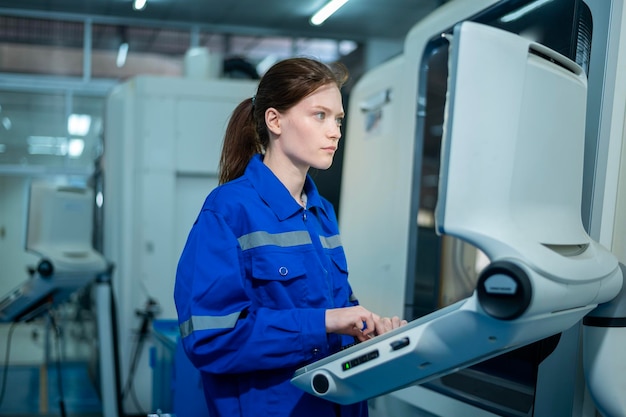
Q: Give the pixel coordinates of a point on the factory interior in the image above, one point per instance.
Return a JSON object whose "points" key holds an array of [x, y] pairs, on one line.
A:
{"points": [[502, 248]]}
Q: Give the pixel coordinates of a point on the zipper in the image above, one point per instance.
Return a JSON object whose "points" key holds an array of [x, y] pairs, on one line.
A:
{"points": [[317, 244]]}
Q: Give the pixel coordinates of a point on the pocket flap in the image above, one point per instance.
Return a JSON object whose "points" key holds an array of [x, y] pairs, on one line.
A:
{"points": [[278, 267]]}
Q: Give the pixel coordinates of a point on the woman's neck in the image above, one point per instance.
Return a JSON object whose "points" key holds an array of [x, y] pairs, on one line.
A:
{"points": [[291, 176]]}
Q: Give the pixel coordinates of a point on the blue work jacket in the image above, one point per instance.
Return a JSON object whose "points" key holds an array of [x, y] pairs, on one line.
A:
{"points": [[253, 283]]}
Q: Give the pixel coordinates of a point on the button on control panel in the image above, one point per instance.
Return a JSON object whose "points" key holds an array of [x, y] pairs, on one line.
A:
{"points": [[399, 344]]}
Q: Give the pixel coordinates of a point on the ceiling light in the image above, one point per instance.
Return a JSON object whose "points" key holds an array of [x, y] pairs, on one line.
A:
{"points": [[47, 145], [122, 53], [75, 147], [78, 124], [57, 146], [99, 199], [325, 12], [139, 4]]}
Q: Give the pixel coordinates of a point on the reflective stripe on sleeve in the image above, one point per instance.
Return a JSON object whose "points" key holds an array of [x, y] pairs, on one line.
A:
{"points": [[287, 239], [331, 242], [196, 323]]}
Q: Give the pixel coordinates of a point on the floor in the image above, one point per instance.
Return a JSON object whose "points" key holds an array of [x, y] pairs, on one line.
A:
{"points": [[33, 390]]}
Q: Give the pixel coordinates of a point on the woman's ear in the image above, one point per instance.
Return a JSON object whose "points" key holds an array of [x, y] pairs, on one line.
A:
{"points": [[272, 120]]}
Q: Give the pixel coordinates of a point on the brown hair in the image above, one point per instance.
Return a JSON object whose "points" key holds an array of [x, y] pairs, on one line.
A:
{"points": [[283, 86]]}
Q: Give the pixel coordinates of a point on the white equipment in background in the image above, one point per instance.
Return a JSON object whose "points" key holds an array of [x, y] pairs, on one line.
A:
{"points": [[163, 139], [511, 184], [60, 230], [60, 227]]}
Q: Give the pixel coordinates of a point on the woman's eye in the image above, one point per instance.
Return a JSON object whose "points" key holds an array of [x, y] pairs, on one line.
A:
{"points": [[320, 115], [339, 121]]}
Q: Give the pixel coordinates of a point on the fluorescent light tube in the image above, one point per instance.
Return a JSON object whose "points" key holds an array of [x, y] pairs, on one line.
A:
{"points": [[139, 4], [325, 12]]}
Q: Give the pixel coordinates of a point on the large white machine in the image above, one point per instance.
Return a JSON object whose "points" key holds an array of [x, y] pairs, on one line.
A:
{"points": [[496, 188], [511, 183], [163, 138]]}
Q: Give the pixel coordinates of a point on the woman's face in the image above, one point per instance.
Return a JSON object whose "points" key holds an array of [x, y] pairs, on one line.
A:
{"points": [[309, 132]]}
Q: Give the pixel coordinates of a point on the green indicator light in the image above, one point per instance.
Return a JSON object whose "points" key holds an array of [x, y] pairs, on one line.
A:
{"points": [[346, 366]]}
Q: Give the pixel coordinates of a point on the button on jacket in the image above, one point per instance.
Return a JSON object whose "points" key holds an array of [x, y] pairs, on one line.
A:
{"points": [[253, 282]]}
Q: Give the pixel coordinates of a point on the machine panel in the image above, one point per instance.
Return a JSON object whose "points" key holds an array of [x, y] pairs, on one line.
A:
{"points": [[541, 281]]}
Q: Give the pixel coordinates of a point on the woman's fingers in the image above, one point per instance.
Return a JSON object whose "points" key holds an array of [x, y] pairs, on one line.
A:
{"points": [[359, 322]]}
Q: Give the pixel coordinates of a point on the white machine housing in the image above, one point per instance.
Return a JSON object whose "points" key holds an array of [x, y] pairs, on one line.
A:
{"points": [[163, 138], [60, 227], [510, 183]]}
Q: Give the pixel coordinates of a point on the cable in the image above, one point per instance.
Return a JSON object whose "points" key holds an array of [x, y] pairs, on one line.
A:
{"points": [[57, 333], [5, 371], [147, 316], [129, 387]]}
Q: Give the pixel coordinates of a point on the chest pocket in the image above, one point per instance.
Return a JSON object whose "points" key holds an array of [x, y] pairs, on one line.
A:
{"points": [[339, 259], [279, 280], [341, 292]]}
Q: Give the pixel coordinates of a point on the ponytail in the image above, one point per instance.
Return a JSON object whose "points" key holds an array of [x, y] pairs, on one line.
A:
{"points": [[241, 142]]}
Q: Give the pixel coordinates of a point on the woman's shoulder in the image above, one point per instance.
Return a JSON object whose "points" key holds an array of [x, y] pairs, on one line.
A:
{"points": [[228, 196]]}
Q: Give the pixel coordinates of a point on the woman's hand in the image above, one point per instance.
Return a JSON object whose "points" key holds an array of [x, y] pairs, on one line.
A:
{"points": [[359, 322]]}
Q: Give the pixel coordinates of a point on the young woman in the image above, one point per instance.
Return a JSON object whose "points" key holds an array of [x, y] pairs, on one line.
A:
{"points": [[262, 283]]}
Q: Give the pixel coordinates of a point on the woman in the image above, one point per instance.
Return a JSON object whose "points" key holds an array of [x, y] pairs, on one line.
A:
{"points": [[262, 283]]}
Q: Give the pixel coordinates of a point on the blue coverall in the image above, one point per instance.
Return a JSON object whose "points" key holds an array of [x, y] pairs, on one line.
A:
{"points": [[253, 282]]}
